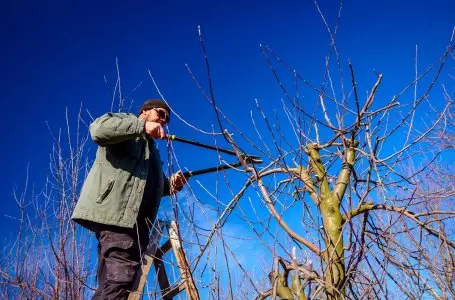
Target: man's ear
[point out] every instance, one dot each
(145, 112)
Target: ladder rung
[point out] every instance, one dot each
(174, 291)
(165, 247)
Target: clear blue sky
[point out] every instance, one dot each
(55, 54)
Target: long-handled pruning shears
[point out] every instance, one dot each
(249, 159)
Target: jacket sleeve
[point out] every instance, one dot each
(113, 128)
(167, 187)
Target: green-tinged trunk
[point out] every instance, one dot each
(297, 287)
(282, 289)
(334, 273)
(330, 201)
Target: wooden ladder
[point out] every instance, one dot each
(154, 255)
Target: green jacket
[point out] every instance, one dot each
(112, 192)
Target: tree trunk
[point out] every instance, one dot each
(333, 256)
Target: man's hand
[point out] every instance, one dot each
(155, 130)
(177, 181)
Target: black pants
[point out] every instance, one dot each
(119, 258)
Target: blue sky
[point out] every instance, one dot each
(57, 54)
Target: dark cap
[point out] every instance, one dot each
(154, 103)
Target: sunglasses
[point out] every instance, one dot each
(162, 114)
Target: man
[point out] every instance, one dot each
(120, 198)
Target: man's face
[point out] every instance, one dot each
(158, 115)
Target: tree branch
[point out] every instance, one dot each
(366, 207)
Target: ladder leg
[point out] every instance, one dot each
(187, 277)
(153, 255)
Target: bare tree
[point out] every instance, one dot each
(353, 183)
(51, 257)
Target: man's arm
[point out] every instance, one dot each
(113, 128)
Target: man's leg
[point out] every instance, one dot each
(118, 264)
(100, 273)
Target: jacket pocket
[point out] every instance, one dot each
(105, 192)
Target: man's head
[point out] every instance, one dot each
(155, 110)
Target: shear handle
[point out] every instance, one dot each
(209, 170)
(223, 150)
